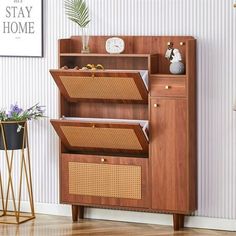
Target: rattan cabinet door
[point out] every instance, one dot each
(110, 181)
(102, 137)
(105, 85)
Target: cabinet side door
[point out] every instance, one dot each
(169, 154)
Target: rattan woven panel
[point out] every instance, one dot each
(101, 87)
(105, 180)
(116, 138)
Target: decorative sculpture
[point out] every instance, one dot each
(174, 56)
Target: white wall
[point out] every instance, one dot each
(212, 22)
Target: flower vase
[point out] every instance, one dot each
(13, 135)
(85, 40)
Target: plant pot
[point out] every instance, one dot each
(14, 139)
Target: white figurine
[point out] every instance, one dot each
(174, 56)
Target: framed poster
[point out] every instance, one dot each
(21, 28)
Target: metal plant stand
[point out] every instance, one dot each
(16, 216)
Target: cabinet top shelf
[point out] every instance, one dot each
(104, 55)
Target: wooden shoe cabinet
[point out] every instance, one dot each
(128, 133)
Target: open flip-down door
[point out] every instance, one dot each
(118, 86)
(104, 137)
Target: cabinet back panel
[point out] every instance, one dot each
(122, 63)
(109, 110)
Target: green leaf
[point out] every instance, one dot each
(78, 12)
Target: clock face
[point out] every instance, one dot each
(115, 45)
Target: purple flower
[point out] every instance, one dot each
(15, 108)
(14, 111)
(17, 114)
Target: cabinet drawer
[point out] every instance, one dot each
(104, 85)
(168, 87)
(110, 136)
(107, 180)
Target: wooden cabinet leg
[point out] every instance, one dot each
(81, 212)
(178, 220)
(77, 211)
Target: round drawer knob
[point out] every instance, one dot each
(103, 160)
(167, 87)
(156, 105)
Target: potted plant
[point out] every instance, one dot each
(78, 12)
(12, 124)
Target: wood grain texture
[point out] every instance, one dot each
(192, 123)
(66, 197)
(111, 61)
(77, 212)
(101, 85)
(168, 87)
(131, 138)
(134, 45)
(170, 171)
(63, 226)
(178, 221)
(108, 110)
(170, 190)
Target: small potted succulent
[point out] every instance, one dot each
(12, 125)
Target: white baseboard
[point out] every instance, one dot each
(137, 217)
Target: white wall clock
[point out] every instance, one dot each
(115, 45)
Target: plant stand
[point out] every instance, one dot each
(16, 216)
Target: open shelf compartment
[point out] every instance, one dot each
(104, 85)
(103, 136)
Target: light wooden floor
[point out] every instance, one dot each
(55, 225)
